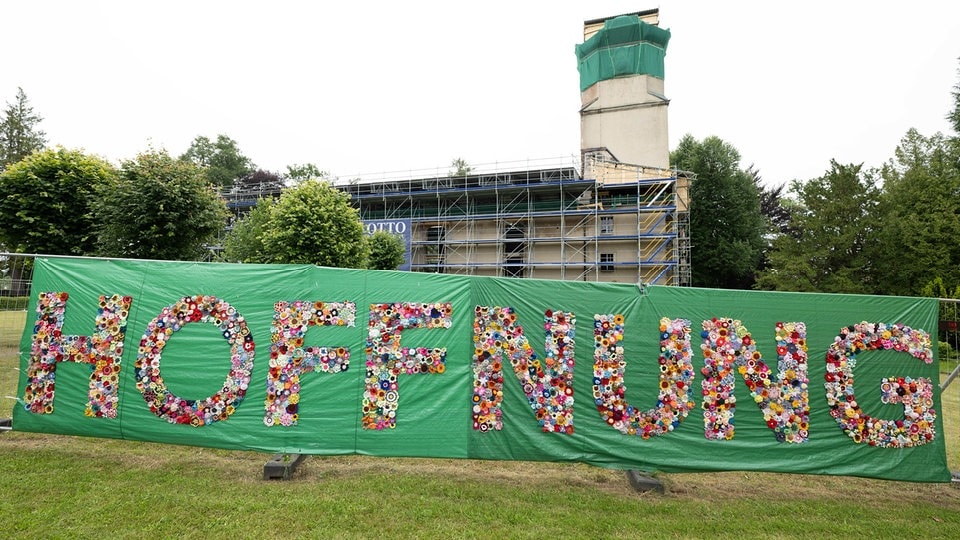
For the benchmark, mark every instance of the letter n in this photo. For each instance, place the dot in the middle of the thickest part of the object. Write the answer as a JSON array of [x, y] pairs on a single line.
[[547, 384], [785, 402]]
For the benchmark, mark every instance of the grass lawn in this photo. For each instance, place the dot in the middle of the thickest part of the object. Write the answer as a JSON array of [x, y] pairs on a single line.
[[74, 487]]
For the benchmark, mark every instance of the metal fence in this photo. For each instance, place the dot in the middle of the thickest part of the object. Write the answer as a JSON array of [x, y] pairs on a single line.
[[949, 338]]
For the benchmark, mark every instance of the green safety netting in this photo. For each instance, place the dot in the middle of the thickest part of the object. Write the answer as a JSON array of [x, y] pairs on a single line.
[[624, 46]]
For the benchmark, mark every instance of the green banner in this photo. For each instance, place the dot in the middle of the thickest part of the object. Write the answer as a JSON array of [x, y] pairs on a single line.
[[300, 359]]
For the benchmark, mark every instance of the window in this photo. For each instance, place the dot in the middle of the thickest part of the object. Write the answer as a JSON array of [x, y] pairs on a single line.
[[434, 251], [514, 244], [514, 267], [606, 224], [606, 262]]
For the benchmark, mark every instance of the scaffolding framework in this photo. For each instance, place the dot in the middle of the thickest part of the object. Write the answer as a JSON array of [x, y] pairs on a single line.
[[617, 222]]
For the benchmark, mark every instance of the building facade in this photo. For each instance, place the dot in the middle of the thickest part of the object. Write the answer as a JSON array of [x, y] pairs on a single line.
[[618, 223], [620, 214]]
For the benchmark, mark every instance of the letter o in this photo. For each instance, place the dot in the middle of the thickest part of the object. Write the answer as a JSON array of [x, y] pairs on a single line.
[[219, 406]]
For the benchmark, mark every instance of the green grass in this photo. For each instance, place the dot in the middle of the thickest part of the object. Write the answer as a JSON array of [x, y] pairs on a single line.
[[83, 488], [73, 487], [11, 327]]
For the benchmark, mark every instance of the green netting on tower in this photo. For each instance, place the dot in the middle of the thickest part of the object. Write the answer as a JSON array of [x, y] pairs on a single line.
[[625, 46]]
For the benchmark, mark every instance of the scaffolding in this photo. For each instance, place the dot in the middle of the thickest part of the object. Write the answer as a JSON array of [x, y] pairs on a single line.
[[613, 222]]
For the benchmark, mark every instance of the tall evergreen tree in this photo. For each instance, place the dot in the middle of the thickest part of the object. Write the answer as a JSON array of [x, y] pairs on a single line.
[[19, 135], [920, 216], [834, 223], [954, 115]]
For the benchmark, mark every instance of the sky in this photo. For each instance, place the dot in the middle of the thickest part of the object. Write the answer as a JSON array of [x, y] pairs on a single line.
[[389, 88]]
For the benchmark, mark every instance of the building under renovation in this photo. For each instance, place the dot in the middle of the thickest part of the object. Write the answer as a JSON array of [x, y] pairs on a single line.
[[620, 214]]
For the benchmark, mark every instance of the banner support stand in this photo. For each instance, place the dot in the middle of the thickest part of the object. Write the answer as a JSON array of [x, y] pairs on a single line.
[[643, 482], [282, 466]]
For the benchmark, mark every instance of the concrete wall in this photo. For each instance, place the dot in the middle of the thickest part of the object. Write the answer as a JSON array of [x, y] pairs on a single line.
[[627, 116]]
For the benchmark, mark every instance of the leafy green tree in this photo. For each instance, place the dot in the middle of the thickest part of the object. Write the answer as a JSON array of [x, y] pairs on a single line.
[[19, 136], [307, 171], [387, 251], [160, 208], [460, 167], [313, 223], [46, 200], [833, 224], [726, 226], [244, 242], [222, 159], [920, 216]]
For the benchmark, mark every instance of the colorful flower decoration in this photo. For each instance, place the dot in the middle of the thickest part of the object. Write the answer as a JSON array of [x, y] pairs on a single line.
[[785, 404], [103, 351], [386, 359], [548, 385], [676, 374], [916, 395], [289, 358], [176, 410]]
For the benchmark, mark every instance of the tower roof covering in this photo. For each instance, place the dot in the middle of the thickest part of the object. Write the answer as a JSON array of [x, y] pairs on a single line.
[[625, 46]]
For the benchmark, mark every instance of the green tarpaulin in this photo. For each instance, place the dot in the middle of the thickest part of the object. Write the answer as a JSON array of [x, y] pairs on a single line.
[[301, 359], [624, 46]]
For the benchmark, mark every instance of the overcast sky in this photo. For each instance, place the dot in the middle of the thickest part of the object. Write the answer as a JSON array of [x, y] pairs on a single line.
[[369, 87]]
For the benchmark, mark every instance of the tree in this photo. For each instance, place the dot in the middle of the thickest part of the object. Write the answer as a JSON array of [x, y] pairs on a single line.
[[313, 223], [307, 171], [954, 115], [259, 181], [160, 208], [46, 201], [460, 167], [775, 211], [19, 136], [244, 242], [222, 159], [919, 216], [772, 206], [833, 224], [387, 251], [726, 227]]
